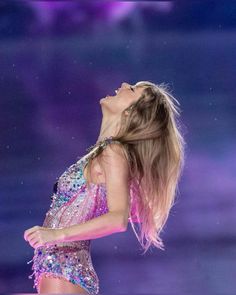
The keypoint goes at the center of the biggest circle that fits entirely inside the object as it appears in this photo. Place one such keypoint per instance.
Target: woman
(130, 175)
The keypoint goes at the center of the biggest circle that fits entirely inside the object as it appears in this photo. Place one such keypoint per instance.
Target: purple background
(57, 60)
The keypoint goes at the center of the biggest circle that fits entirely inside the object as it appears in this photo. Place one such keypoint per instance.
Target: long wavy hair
(154, 148)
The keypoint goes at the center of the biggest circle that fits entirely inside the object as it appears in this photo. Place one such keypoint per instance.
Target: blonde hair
(154, 147)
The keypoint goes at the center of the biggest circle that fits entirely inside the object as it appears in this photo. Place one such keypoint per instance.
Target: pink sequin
(72, 203)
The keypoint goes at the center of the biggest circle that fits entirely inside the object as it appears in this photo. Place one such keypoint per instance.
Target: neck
(109, 127)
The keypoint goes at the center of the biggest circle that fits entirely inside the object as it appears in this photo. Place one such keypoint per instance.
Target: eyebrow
(134, 88)
(137, 86)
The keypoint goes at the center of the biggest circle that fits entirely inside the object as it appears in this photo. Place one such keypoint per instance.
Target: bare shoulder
(114, 149)
(116, 171)
(114, 161)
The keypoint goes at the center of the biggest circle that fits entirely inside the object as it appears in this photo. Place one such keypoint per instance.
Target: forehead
(139, 88)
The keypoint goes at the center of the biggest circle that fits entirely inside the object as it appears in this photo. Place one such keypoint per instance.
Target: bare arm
(115, 167)
(103, 225)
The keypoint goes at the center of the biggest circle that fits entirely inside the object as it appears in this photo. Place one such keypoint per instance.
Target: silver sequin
(73, 203)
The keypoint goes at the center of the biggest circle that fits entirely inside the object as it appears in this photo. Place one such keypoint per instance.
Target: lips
(116, 92)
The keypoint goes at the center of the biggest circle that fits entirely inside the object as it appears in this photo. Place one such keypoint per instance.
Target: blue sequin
(71, 203)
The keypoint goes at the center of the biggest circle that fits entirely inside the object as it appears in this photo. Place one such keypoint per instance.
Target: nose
(124, 84)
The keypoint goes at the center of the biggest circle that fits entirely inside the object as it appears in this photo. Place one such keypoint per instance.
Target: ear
(126, 113)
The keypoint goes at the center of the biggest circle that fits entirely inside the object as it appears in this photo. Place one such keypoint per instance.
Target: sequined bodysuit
(72, 203)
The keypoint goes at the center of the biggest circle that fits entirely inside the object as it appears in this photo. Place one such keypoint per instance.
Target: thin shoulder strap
(109, 140)
(101, 145)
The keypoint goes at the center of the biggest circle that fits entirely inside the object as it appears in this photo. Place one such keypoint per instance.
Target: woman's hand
(40, 236)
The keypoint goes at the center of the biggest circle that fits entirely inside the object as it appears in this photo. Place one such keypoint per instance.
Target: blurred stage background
(57, 60)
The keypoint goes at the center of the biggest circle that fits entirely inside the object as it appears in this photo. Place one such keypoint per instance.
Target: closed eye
(132, 88)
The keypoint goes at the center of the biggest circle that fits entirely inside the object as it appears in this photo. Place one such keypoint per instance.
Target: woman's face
(125, 95)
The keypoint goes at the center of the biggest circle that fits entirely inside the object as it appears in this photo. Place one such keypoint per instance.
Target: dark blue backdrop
(57, 60)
